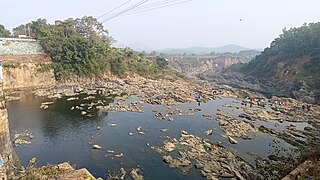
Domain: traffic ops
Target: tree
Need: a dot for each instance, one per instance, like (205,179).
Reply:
(4,32)
(20,30)
(90,27)
(162,62)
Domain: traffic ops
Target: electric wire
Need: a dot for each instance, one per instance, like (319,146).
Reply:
(149,9)
(125,10)
(114,9)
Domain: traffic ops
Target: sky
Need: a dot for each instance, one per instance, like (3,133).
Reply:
(205,23)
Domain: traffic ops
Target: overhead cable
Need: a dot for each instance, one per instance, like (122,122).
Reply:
(125,10)
(114,9)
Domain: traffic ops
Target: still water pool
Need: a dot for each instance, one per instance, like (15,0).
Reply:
(63,135)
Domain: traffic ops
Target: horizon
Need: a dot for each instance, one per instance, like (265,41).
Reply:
(206,23)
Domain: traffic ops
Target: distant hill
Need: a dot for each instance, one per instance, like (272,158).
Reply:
(204,50)
(230,48)
(135,46)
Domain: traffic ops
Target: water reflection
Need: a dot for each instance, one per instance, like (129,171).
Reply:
(64,135)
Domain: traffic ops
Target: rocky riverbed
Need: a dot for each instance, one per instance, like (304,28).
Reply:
(247,116)
(211,160)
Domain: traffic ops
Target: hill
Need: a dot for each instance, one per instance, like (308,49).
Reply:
(203,50)
(295,53)
(292,60)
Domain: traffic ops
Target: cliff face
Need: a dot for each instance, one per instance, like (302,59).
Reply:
(24,64)
(8,159)
(25,71)
(194,66)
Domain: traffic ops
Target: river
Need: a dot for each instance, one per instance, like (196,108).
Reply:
(62,135)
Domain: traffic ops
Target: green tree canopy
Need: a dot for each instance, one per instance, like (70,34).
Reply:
(4,32)
(82,47)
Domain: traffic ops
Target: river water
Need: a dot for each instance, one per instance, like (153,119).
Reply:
(62,135)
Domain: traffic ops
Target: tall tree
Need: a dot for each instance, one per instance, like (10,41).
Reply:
(4,32)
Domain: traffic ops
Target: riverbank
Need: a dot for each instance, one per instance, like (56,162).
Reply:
(248,114)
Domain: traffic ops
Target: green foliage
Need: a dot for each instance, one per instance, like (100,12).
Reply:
(313,67)
(77,47)
(82,47)
(291,44)
(162,63)
(117,67)
(44,67)
(282,161)
(4,33)
(13,65)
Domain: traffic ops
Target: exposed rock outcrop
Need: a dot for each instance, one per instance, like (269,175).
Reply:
(9,163)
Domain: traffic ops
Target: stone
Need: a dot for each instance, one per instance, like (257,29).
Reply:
(83,112)
(119,155)
(184,132)
(112,125)
(164,130)
(169,146)
(64,166)
(135,174)
(209,132)
(122,173)
(95,146)
(232,141)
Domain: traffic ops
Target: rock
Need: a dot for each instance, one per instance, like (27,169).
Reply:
(44,106)
(184,132)
(122,173)
(72,99)
(246,116)
(47,103)
(227,175)
(223,123)
(119,155)
(167,159)
(232,141)
(209,132)
(130,133)
(135,174)
(64,166)
(110,151)
(112,125)
(98,127)
(141,132)
(95,146)
(83,112)
(197,110)
(164,130)
(308,128)
(139,128)
(169,146)
(21,141)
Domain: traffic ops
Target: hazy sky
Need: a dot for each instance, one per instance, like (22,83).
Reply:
(195,23)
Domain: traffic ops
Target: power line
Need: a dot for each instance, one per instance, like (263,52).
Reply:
(159,7)
(156,4)
(125,10)
(114,9)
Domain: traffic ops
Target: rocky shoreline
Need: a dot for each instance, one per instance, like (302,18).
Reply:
(213,161)
(236,120)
